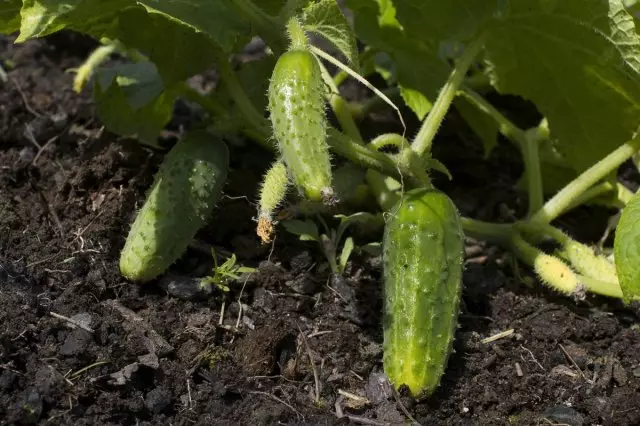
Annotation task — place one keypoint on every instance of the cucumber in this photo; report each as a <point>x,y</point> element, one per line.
<point>296,106</point>
<point>272,193</point>
<point>423,263</point>
<point>181,199</point>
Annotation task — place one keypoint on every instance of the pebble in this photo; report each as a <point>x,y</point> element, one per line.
<point>157,400</point>
<point>563,415</point>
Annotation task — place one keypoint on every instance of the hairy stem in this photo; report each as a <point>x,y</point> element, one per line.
<point>212,106</point>
<point>497,233</point>
<point>95,59</point>
<point>340,107</point>
<point>559,203</point>
<point>505,126</point>
<point>424,138</point>
<point>232,84</point>
<point>531,156</point>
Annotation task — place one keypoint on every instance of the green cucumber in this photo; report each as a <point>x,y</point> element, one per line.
<point>296,106</point>
<point>184,193</point>
<point>423,263</point>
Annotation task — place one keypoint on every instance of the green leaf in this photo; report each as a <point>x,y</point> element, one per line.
<point>555,169</point>
<point>448,21</point>
<point>346,252</point>
<point>132,100</point>
<point>482,124</point>
<point>420,70</point>
<point>577,60</point>
<point>325,18</point>
<point>437,165</point>
<point>374,249</point>
<point>217,19</point>
<point>10,16</point>
<point>305,229</point>
<point>179,36</point>
<point>627,250</point>
<point>254,78</point>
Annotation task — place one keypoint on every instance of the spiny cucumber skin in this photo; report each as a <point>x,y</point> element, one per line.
<point>556,274</point>
<point>588,263</point>
<point>296,105</point>
<point>423,264</point>
<point>181,199</point>
<point>274,189</point>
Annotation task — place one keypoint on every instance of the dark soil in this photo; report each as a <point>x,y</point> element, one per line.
<point>81,345</point>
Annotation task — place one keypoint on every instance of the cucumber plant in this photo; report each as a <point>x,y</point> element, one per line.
<point>577,61</point>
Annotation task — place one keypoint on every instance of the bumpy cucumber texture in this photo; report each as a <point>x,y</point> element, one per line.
<point>296,105</point>
<point>423,263</point>
<point>183,195</point>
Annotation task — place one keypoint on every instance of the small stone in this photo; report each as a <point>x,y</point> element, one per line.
<point>157,400</point>
<point>121,377</point>
<point>263,299</point>
<point>75,343</point>
<point>302,284</point>
<point>149,360</point>
<point>32,406</point>
<point>183,288</point>
<point>578,354</point>
<point>563,415</point>
<point>378,388</point>
<point>343,287</point>
<point>7,378</point>
<point>619,373</point>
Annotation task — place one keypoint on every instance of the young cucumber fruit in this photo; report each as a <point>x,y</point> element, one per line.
<point>296,105</point>
<point>183,195</point>
<point>423,262</point>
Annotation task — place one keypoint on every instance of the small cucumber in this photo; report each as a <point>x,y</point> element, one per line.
<point>296,105</point>
<point>423,262</point>
<point>183,195</point>
<point>272,193</point>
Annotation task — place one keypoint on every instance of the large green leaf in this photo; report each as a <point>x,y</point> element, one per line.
<point>446,21</point>
<point>178,36</point>
<point>577,61</point>
<point>10,16</point>
<point>627,250</point>
<point>131,100</point>
<point>217,19</point>
<point>325,18</point>
<point>420,70</point>
<point>177,50</point>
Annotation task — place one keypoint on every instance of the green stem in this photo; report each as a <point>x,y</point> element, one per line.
<point>265,25</point>
<point>95,59</point>
<point>600,287</point>
<point>296,34</point>
<point>590,194</point>
<point>496,233</point>
<point>232,84</point>
<point>624,194</point>
<point>389,139</point>
<point>505,126</point>
<point>424,138</point>
<point>360,110</point>
<point>531,156</point>
<point>340,108</point>
<point>528,142</point>
<point>342,145</point>
<point>559,203</point>
<point>345,118</point>
<point>212,106</point>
